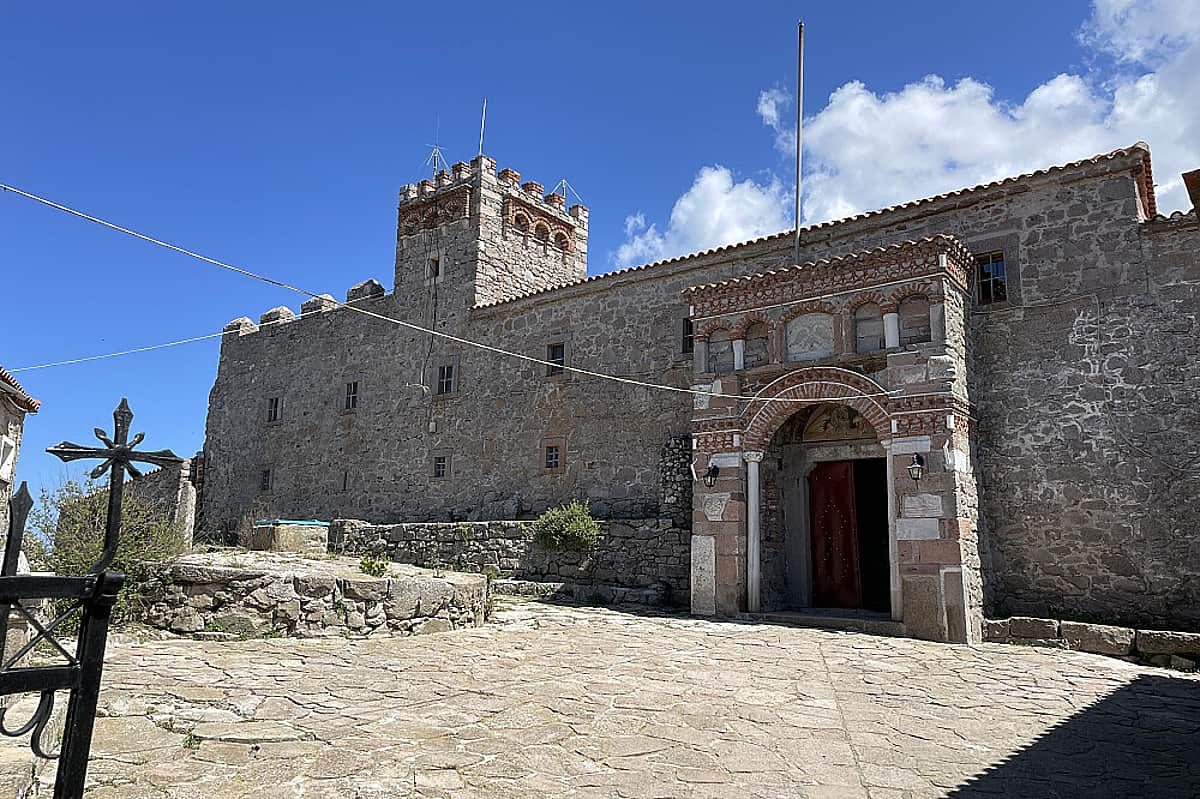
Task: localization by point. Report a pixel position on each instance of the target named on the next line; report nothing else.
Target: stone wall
(1082, 506)
(253, 595)
(1088, 413)
(631, 554)
(172, 490)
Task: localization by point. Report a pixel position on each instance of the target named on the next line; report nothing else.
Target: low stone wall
(247, 595)
(1178, 650)
(639, 560)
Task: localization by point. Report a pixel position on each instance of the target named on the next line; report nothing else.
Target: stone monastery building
(1029, 347)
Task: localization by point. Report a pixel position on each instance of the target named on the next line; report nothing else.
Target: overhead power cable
(392, 320)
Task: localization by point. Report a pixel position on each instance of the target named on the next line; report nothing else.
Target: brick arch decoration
(912, 290)
(808, 307)
(818, 385)
(859, 300)
(713, 327)
(749, 320)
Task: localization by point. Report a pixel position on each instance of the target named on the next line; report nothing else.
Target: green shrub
(570, 526)
(373, 566)
(68, 536)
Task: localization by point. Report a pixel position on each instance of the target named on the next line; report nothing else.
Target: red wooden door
(837, 582)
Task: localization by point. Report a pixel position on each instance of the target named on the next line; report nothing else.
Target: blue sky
(276, 136)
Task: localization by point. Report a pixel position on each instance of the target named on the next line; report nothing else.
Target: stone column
(891, 329)
(700, 356)
(739, 354)
(937, 320)
(753, 532)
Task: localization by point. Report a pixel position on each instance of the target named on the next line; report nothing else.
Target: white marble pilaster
(891, 330)
(753, 533)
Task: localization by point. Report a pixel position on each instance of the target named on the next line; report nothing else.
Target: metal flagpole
(482, 121)
(799, 127)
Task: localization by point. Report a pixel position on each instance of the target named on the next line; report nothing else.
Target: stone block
(924, 506)
(996, 630)
(1165, 642)
(1103, 639)
(703, 575)
(366, 588)
(924, 607)
(917, 529)
(364, 290)
(1029, 627)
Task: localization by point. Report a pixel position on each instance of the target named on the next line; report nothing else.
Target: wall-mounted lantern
(710, 475)
(916, 468)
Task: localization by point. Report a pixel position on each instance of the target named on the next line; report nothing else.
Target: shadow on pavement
(1141, 740)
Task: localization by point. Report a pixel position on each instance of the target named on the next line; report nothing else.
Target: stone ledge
(238, 594)
(1177, 650)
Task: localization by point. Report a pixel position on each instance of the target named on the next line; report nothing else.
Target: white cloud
(716, 210)
(867, 150)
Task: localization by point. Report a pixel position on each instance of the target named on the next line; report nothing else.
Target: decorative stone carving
(714, 505)
(809, 337)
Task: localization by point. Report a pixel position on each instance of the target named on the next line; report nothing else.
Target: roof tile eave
(1148, 188)
(22, 399)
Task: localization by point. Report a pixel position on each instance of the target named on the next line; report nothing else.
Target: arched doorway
(824, 500)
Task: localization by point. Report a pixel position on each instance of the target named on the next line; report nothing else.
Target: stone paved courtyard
(584, 702)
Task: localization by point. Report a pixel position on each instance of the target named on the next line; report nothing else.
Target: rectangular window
(552, 456)
(345, 480)
(445, 379)
(273, 409)
(264, 480)
(991, 278)
(556, 354)
(440, 467)
(352, 395)
(689, 336)
(435, 268)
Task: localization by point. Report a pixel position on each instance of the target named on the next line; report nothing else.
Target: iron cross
(119, 456)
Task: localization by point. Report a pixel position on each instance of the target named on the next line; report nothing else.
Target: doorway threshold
(860, 621)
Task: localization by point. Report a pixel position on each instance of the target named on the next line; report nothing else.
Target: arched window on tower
(521, 222)
(720, 352)
(561, 241)
(756, 345)
(541, 233)
(914, 320)
(868, 328)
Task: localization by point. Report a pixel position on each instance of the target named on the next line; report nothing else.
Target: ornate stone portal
(859, 402)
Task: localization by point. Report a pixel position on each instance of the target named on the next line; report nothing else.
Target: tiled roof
(10, 386)
(947, 243)
(1146, 178)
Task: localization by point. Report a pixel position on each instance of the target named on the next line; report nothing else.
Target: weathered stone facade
(1064, 483)
(631, 555)
(14, 405)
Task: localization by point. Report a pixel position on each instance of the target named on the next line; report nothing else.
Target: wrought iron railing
(90, 597)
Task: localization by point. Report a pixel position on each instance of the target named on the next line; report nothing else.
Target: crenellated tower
(476, 236)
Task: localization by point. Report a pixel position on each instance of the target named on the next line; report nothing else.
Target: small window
(689, 336)
(914, 320)
(441, 467)
(445, 379)
(435, 268)
(756, 351)
(521, 222)
(562, 242)
(556, 354)
(991, 278)
(345, 480)
(868, 328)
(264, 480)
(273, 409)
(352, 395)
(552, 456)
(541, 233)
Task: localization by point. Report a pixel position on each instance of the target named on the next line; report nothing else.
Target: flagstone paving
(552, 701)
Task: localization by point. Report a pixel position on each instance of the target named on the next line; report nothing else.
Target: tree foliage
(68, 536)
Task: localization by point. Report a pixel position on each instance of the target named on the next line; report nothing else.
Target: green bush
(68, 536)
(373, 566)
(568, 527)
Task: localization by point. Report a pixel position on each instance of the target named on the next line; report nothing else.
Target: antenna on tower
(562, 187)
(482, 122)
(436, 160)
